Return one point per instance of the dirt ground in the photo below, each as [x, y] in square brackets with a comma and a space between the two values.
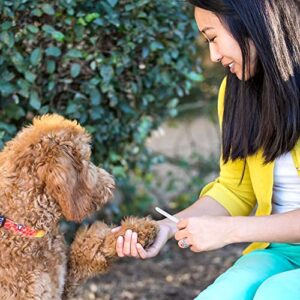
[176, 274]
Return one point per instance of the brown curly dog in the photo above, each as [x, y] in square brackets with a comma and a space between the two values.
[45, 175]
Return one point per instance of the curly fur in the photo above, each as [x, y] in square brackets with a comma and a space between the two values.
[46, 174]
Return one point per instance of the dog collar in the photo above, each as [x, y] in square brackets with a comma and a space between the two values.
[19, 228]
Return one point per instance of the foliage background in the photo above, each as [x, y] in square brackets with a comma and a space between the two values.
[121, 68]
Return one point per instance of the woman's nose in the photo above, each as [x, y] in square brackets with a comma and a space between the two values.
[215, 55]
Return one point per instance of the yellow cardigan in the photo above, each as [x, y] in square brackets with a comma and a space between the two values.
[256, 187]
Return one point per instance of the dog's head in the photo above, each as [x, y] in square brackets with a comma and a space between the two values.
[58, 151]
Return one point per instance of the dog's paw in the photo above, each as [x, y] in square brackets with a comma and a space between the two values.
[145, 228]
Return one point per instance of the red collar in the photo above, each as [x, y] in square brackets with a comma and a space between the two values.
[19, 228]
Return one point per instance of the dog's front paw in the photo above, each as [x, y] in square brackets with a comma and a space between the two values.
[145, 228]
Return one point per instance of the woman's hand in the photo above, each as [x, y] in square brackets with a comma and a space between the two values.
[205, 233]
[128, 245]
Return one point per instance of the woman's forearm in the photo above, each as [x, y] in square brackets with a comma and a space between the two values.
[283, 228]
[203, 206]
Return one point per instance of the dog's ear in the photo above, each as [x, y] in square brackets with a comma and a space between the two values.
[65, 174]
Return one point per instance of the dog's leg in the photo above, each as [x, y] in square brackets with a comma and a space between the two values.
[94, 248]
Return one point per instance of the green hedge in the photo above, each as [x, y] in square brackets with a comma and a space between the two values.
[118, 67]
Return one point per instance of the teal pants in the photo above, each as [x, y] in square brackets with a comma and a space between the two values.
[268, 274]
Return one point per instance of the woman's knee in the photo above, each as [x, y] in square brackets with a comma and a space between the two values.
[234, 284]
[278, 287]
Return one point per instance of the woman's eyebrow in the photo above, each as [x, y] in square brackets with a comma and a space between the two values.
[206, 28]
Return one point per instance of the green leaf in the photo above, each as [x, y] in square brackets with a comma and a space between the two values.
[53, 51]
[195, 76]
[6, 25]
[7, 76]
[112, 2]
[44, 109]
[48, 9]
[24, 86]
[74, 53]
[82, 22]
[33, 28]
[8, 38]
[119, 172]
[37, 12]
[129, 7]
[174, 53]
[8, 127]
[17, 59]
[91, 17]
[34, 100]
[106, 72]
[71, 108]
[95, 97]
[99, 21]
[15, 112]
[48, 29]
[156, 46]
[75, 70]
[59, 36]
[6, 88]
[97, 113]
[51, 85]
[30, 76]
[145, 52]
[36, 56]
[114, 157]
[51, 66]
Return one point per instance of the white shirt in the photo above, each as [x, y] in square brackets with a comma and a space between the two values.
[286, 188]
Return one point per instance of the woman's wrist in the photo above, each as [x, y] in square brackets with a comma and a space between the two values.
[240, 229]
[170, 225]
[233, 230]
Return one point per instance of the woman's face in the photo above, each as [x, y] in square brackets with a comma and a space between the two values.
[222, 46]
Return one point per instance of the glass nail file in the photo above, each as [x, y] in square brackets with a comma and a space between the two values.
[164, 213]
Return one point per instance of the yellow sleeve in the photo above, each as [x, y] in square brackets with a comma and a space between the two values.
[237, 198]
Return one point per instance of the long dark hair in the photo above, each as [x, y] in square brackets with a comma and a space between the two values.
[264, 111]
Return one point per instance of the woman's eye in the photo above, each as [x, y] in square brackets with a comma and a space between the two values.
[210, 40]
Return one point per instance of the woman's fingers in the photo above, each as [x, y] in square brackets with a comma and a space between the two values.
[116, 229]
[141, 251]
[182, 224]
[127, 242]
[119, 246]
[127, 245]
[133, 246]
[181, 234]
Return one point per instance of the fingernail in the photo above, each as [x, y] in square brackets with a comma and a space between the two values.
[128, 232]
[120, 239]
[134, 235]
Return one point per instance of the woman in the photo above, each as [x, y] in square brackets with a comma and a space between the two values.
[257, 41]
